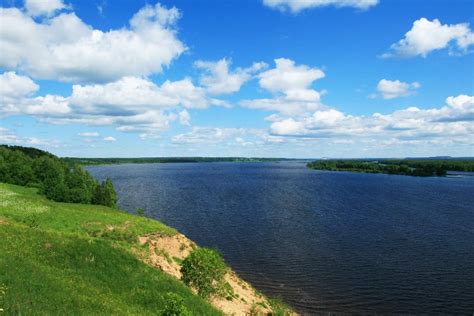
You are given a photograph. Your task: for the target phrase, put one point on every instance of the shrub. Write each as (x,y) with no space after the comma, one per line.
(204,269)
(140,211)
(174,306)
(279,308)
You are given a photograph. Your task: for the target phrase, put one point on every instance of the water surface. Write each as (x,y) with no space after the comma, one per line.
(323,241)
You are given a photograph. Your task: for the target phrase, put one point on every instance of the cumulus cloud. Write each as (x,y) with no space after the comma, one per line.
(110,139)
(426,36)
(288,78)
(391,89)
(296,6)
(132,104)
(133,95)
(43,7)
(65,48)
(218,79)
(15,97)
(449,123)
(291,86)
(13,86)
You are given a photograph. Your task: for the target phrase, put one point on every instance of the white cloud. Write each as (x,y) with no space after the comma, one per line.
(391,89)
(448,124)
(219,80)
(290,84)
(65,48)
(43,7)
(290,79)
(426,36)
(184,117)
(132,94)
(13,86)
(296,6)
(89,134)
(131,104)
(9,137)
(288,127)
(110,139)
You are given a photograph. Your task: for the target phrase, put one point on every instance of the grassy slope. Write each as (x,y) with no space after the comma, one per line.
(58,258)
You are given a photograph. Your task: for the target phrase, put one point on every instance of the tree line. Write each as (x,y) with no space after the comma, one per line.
(399,167)
(56,179)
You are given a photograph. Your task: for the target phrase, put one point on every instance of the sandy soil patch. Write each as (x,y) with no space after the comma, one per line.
(166,253)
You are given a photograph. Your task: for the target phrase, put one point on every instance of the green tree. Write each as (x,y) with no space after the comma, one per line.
(80,186)
(204,269)
(16,167)
(51,174)
(105,194)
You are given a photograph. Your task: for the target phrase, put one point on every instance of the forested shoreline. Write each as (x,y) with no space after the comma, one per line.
(409,167)
(112,161)
(55,178)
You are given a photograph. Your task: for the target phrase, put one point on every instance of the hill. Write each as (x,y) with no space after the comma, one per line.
(82,259)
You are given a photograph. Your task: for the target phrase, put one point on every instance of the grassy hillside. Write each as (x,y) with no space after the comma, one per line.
(59,258)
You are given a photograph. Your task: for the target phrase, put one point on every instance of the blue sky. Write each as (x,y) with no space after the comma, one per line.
(267,78)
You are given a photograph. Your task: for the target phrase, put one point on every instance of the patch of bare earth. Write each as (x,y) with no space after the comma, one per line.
(166,253)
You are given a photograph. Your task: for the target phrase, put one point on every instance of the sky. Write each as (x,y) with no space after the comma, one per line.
(255,78)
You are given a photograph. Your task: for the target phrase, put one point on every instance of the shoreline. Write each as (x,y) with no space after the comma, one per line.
(153,243)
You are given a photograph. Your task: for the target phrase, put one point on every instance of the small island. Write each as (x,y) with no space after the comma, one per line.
(408,167)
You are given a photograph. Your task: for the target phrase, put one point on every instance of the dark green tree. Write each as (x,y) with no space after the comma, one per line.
(51,174)
(105,194)
(80,186)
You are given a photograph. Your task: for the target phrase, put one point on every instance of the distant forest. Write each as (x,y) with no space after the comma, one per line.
(409,167)
(109,161)
(56,178)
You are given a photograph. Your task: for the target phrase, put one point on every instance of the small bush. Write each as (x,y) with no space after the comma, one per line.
(279,308)
(204,269)
(140,211)
(174,306)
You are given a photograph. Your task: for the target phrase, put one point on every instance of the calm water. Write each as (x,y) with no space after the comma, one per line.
(323,241)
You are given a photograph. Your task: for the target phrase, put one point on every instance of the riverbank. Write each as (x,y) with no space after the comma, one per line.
(80,259)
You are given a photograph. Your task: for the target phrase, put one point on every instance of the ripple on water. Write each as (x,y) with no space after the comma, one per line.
(323,241)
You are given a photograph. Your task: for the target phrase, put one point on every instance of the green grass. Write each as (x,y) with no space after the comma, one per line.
(58,258)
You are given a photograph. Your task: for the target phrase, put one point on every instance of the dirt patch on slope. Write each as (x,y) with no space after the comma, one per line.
(166,253)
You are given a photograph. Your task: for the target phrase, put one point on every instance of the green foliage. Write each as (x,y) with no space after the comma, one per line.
(140,211)
(105,194)
(15,167)
(279,308)
(81,186)
(174,306)
(204,269)
(409,167)
(58,268)
(56,179)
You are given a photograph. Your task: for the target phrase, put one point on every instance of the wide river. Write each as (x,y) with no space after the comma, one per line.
(322,241)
